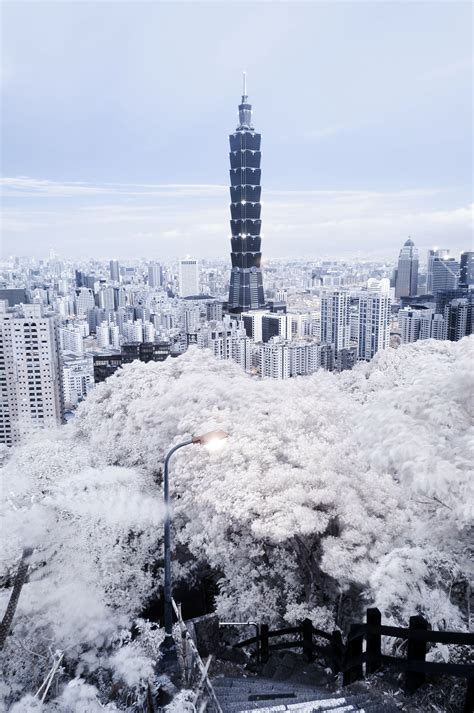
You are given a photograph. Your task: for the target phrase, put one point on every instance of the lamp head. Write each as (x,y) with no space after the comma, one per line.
(213,440)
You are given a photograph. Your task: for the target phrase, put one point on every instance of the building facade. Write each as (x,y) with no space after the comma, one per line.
(445,274)
(188,277)
(418,324)
(154,274)
(335,319)
(406,283)
(246,282)
(373,324)
(114,269)
(30,372)
(466,271)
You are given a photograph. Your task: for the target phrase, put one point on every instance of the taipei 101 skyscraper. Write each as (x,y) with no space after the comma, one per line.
(246,285)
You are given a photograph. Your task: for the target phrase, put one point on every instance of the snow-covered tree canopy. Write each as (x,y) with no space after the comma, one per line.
(331,488)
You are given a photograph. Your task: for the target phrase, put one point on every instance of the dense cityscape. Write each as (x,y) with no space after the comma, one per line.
(67,326)
(237,478)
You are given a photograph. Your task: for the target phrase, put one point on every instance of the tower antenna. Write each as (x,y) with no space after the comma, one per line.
(244,86)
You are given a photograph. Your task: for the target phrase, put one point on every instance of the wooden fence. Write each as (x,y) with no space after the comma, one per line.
(350,657)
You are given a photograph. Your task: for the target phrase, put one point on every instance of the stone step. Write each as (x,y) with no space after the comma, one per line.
(245,695)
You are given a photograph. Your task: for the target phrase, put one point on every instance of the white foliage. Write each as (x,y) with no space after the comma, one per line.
(327,483)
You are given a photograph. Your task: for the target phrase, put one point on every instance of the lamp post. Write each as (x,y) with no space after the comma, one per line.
(212,440)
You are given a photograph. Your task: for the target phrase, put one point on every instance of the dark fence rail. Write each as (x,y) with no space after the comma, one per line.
(350,658)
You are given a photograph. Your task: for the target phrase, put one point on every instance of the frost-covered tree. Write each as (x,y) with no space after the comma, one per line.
(333,492)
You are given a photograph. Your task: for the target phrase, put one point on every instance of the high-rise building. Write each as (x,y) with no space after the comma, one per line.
(445,274)
(114,271)
(30,371)
(78,378)
(335,318)
(188,277)
(133,332)
(420,324)
(155,278)
(373,333)
(214,311)
(459,318)
(71,339)
(120,299)
(107,298)
(276,325)
(435,252)
(103,335)
(252,322)
(406,284)
(246,282)
(283,359)
(84,301)
(466,271)
(432,325)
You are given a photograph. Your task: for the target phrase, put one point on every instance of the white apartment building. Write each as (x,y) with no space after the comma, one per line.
(102,335)
(84,301)
(242,351)
(190,317)
(149,332)
(106,298)
(283,359)
(154,274)
(432,326)
(78,378)
(372,323)
(417,324)
(274,361)
(229,341)
(188,277)
(30,372)
(335,318)
(133,331)
(71,338)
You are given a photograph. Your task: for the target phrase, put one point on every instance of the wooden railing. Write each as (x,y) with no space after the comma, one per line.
(350,657)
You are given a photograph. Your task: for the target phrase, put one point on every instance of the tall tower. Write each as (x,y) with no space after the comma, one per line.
(246,284)
(407,276)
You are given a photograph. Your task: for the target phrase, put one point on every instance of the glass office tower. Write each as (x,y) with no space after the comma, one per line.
(246,285)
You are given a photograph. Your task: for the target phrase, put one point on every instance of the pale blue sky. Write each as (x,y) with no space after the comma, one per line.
(364,107)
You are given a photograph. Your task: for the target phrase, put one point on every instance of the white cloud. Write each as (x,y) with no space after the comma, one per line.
(170,219)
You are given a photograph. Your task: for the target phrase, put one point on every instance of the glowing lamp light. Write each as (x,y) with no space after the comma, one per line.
(213,440)
(243,202)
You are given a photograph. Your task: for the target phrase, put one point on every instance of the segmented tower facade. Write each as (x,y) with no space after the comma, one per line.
(246,284)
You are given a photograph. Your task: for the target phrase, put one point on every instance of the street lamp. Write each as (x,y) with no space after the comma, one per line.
(213,441)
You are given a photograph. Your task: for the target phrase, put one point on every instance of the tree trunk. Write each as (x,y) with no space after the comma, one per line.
(15,595)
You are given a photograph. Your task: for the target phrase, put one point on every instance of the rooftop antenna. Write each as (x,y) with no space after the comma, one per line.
(244,87)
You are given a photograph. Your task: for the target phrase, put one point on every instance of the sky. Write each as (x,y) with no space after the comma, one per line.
(115,119)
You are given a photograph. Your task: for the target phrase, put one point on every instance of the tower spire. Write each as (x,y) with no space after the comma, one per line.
(246,279)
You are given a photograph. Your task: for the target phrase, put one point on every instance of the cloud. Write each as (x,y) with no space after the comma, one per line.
(23,186)
(78,219)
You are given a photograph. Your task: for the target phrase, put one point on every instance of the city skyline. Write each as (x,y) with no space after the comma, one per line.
(109,163)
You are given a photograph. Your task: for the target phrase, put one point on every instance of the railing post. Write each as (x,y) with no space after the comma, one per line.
(264,651)
(353,652)
(374,642)
(337,650)
(469,700)
(307,629)
(416,651)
